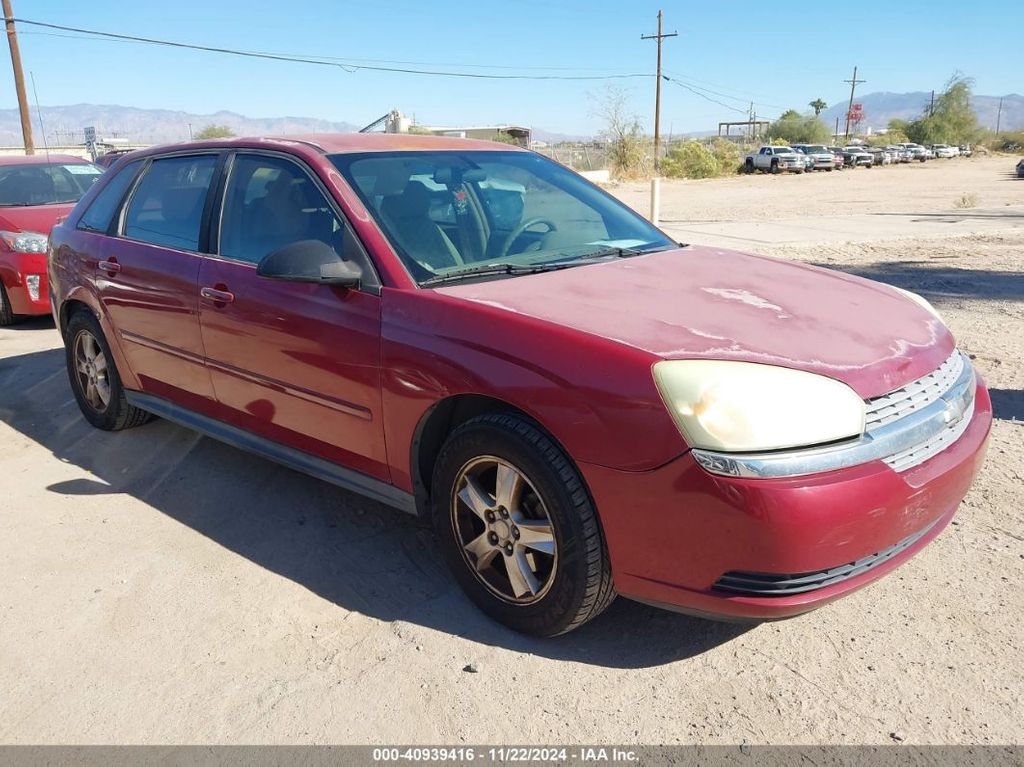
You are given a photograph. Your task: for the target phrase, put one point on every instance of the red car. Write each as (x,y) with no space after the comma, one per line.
(471,332)
(35,191)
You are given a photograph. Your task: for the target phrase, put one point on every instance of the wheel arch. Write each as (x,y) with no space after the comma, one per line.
(81,299)
(441,419)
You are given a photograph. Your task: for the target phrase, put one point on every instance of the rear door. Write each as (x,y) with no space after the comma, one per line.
(148,275)
(296,363)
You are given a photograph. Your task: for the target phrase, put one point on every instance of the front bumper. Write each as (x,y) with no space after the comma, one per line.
(14,270)
(674,532)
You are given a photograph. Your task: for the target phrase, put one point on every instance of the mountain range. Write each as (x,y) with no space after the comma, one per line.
(881,107)
(66,124)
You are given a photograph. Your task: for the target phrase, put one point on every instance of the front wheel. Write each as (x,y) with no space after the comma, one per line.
(517,527)
(94,378)
(7,317)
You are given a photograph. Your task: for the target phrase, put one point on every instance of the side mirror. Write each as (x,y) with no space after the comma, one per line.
(310,261)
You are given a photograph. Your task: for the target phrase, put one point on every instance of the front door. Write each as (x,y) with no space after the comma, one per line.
(296,363)
(148,279)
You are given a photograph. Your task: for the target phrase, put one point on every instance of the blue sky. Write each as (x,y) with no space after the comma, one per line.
(730,48)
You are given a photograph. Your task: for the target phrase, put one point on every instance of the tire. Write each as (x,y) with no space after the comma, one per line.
(112,412)
(571,579)
(7,317)
(748,166)
(774,167)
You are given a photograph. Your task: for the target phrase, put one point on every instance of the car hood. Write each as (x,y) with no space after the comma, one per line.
(698,302)
(32,218)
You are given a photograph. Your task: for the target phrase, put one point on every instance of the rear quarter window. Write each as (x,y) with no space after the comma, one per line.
(99,216)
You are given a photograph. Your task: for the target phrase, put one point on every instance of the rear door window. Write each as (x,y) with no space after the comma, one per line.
(167,207)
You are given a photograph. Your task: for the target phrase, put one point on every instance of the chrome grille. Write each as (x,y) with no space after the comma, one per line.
(915,395)
(920,453)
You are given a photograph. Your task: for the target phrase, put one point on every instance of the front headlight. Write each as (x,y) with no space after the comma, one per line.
(25,242)
(920,301)
(747,407)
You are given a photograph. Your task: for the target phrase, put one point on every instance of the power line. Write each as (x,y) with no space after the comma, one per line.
(703,96)
(355,62)
(691,82)
(317,60)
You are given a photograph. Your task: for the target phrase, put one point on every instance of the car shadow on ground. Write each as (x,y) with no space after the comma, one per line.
(939,283)
(1007,404)
(354,552)
(28,324)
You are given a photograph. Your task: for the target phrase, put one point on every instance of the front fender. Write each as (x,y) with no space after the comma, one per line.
(596,397)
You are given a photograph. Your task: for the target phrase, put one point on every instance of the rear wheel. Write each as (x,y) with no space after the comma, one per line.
(517,527)
(94,377)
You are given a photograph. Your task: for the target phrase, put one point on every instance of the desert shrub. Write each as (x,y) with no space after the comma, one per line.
(689,159)
(728,156)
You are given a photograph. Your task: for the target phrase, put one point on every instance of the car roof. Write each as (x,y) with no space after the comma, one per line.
(334,143)
(42,159)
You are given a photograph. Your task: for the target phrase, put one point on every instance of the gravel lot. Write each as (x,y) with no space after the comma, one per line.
(158,587)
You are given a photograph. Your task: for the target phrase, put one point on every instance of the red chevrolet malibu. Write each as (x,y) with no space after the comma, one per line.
(471,332)
(35,191)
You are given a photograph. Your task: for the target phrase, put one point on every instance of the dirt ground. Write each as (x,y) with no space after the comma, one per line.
(158,587)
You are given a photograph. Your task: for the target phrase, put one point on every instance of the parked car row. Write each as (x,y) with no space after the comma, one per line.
(801,158)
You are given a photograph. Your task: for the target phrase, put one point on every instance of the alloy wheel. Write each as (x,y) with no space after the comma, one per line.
(504,530)
(92,371)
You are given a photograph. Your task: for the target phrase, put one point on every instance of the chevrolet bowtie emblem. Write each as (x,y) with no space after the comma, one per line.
(954,410)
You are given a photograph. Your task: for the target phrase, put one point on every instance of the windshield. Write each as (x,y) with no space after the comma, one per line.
(448,211)
(815,149)
(784,150)
(45,183)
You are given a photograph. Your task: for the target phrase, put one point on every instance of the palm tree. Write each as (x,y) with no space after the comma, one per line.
(818,105)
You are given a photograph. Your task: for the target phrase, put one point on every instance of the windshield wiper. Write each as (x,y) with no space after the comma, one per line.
(494,269)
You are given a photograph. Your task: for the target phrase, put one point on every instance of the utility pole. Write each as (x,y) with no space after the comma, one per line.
(931,105)
(854,82)
(999,115)
(656,181)
(19,78)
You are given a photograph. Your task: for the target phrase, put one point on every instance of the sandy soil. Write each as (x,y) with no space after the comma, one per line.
(158,587)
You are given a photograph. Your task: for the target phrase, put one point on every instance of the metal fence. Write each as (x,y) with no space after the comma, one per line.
(583,156)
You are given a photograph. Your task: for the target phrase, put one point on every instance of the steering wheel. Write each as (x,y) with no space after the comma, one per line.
(521,229)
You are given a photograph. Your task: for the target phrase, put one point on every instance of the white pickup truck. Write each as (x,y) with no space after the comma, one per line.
(775,159)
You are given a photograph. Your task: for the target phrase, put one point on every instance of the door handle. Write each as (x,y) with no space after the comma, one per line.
(217,296)
(109,266)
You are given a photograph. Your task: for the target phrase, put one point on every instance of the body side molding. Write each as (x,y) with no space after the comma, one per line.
(274,451)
